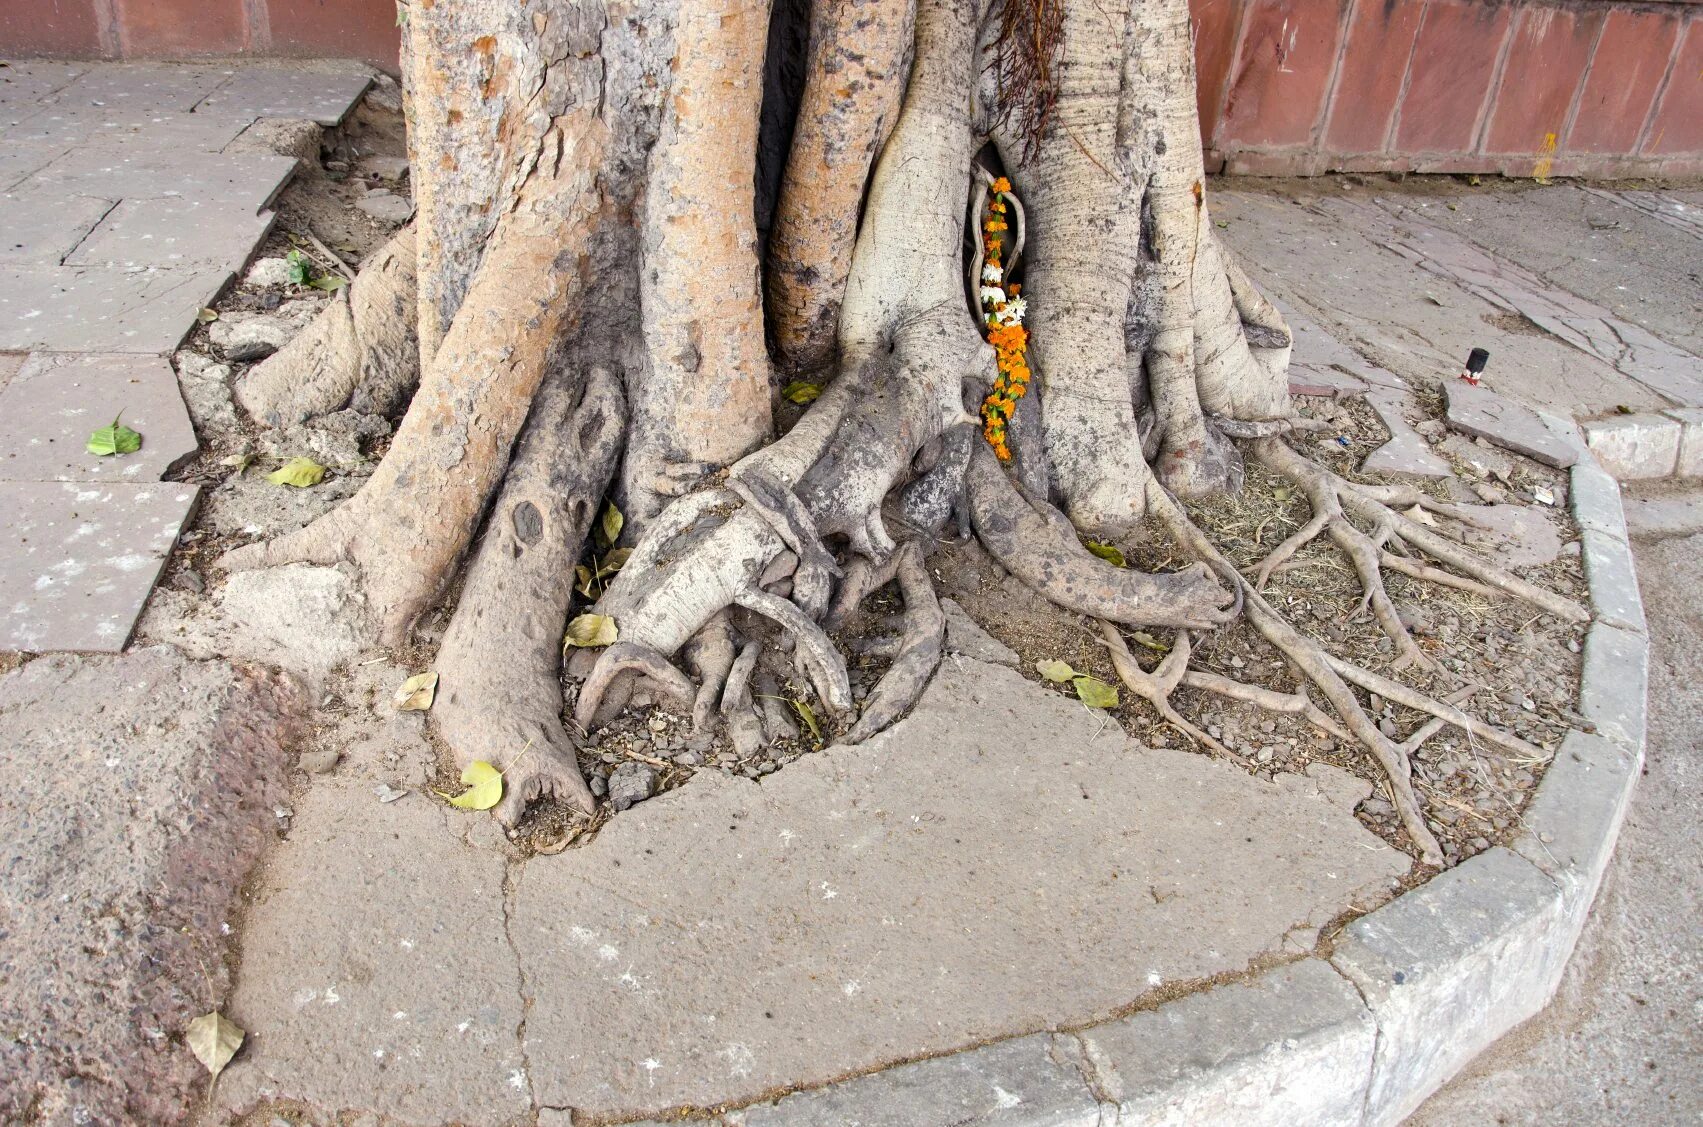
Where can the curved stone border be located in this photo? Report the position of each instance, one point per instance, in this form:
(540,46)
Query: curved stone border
(1410,993)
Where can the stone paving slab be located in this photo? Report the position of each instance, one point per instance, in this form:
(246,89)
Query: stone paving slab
(54,403)
(96,129)
(77,560)
(174,233)
(40,227)
(1481,412)
(1631,349)
(1406,452)
(251,179)
(1331,265)
(81,309)
(322,96)
(140,90)
(377,971)
(138,791)
(20,159)
(25,83)
(997,862)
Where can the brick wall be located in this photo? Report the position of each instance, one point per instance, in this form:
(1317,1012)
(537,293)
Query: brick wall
(1287,87)
(1564,88)
(170,29)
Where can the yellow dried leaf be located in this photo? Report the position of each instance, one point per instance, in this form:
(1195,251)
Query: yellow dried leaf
(1055,670)
(614,561)
(609,526)
(1094,692)
(589,631)
(585,577)
(214,1039)
(484,787)
(1107,552)
(800,392)
(299,472)
(416,693)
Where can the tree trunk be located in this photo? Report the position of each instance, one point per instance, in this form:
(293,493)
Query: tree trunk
(585,261)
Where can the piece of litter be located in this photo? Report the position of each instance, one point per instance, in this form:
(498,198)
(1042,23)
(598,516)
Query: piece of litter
(386,793)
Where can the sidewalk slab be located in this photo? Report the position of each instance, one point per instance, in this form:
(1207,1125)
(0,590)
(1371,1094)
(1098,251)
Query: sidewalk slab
(94,309)
(998,862)
(250,179)
(321,96)
(139,789)
(174,233)
(41,227)
(54,403)
(77,560)
(1481,412)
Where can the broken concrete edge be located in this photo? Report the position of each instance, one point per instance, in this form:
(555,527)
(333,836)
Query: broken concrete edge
(1409,994)
(1646,447)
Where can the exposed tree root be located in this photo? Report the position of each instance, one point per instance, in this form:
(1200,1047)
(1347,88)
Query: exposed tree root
(499,665)
(920,645)
(1156,687)
(360,352)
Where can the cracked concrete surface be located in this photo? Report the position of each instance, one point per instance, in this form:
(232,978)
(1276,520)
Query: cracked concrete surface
(1003,861)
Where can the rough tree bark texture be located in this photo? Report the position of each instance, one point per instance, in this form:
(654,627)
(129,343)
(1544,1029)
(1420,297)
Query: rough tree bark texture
(585,261)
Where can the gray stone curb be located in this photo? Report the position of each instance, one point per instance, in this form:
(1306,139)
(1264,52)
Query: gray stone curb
(1410,993)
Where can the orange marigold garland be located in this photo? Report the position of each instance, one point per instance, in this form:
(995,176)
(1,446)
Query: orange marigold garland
(1002,310)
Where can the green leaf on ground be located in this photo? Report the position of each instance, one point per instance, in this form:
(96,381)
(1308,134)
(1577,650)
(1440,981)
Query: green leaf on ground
(301,268)
(114,439)
(299,472)
(214,1039)
(800,392)
(417,693)
(238,462)
(1107,552)
(1056,671)
(207,315)
(589,631)
(1094,692)
(1142,637)
(484,787)
(330,283)
(614,561)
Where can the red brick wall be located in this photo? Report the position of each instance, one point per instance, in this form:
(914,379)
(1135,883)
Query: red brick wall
(1547,87)
(175,29)
(1287,87)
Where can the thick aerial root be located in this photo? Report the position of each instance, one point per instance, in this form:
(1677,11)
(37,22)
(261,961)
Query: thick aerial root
(920,645)
(710,656)
(360,352)
(499,663)
(1035,542)
(1156,688)
(812,581)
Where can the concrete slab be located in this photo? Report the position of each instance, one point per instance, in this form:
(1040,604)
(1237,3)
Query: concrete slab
(1631,349)
(252,179)
(1028,1080)
(377,970)
(322,96)
(25,83)
(97,128)
(1635,447)
(1406,452)
(174,232)
(85,309)
(997,862)
(41,227)
(123,867)
(1293,1046)
(1480,412)
(1331,266)
(1661,510)
(54,403)
(77,560)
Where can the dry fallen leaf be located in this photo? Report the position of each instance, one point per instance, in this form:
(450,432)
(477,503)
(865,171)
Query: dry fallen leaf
(214,1040)
(484,787)
(589,631)
(1094,692)
(416,693)
(1054,670)
(299,472)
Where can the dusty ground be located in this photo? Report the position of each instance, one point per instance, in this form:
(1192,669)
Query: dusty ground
(1622,1040)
